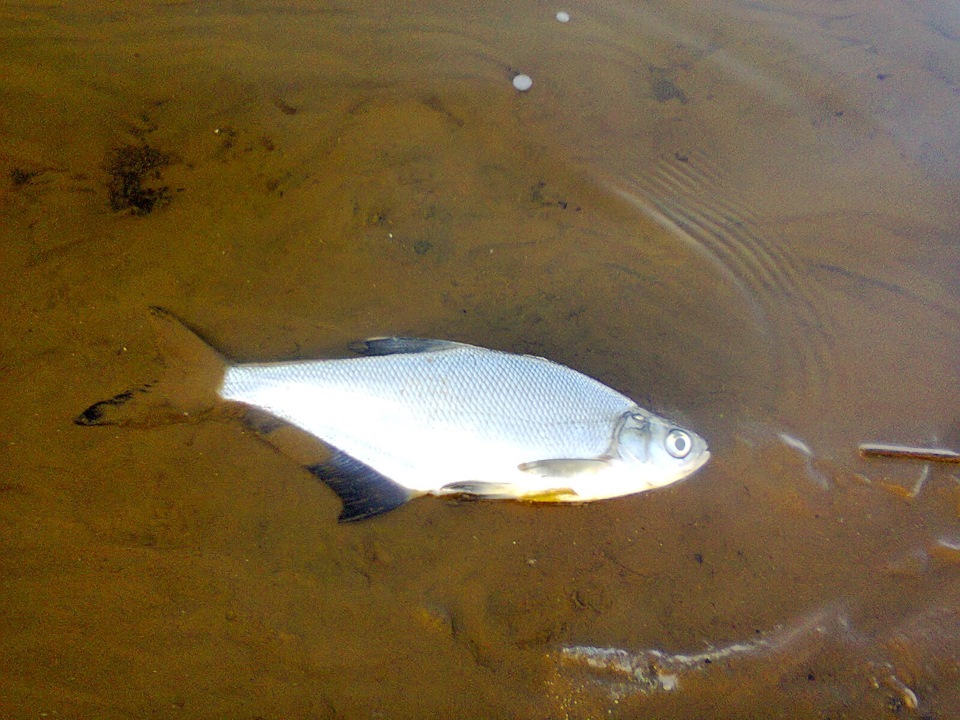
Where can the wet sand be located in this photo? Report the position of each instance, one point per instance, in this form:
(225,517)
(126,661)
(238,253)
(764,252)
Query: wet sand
(744,218)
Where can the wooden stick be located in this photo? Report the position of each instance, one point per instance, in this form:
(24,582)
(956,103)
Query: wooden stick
(909,453)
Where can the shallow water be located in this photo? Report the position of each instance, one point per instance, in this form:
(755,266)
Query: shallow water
(743,215)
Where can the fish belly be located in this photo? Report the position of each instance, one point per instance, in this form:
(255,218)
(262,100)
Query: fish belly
(429,419)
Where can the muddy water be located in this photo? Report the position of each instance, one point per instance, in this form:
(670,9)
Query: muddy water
(742,215)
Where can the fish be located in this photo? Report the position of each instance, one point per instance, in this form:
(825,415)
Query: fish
(408,417)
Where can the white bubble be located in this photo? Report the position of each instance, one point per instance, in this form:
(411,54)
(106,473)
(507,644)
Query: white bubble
(563,16)
(522,82)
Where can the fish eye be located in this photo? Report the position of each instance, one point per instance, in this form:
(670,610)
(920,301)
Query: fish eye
(678,444)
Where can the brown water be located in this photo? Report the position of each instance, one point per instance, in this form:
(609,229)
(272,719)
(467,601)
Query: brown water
(743,215)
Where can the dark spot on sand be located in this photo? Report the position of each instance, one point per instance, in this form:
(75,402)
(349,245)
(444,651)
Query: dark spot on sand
(664,89)
(283,107)
(134,171)
(538,196)
(20,177)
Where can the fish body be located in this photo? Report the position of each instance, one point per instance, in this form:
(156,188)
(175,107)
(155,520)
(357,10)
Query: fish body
(411,417)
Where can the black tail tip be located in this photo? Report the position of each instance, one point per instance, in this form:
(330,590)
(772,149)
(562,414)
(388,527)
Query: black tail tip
(91,416)
(99,412)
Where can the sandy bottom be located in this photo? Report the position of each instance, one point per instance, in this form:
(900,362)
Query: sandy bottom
(746,222)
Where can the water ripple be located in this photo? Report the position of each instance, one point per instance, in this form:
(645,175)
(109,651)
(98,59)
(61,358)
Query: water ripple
(689,197)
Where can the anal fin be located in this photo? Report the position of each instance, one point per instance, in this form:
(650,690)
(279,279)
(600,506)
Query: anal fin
(365,492)
(553,495)
(506,491)
(479,489)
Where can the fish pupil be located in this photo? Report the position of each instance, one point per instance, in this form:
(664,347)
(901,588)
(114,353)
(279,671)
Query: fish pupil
(678,444)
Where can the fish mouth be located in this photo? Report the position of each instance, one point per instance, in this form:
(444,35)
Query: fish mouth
(701,460)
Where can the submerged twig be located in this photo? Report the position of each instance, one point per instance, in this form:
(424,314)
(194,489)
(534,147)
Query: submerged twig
(907,452)
(623,672)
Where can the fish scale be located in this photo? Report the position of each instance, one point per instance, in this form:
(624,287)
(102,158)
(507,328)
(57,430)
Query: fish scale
(479,401)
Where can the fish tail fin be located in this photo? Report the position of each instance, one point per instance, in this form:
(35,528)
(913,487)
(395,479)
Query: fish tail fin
(185,391)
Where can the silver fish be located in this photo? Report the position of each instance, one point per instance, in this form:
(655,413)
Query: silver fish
(417,417)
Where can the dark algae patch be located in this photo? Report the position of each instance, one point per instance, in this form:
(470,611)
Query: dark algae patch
(664,89)
(538,196)
(134,175)
(284,107)
(20,177)
(662,86)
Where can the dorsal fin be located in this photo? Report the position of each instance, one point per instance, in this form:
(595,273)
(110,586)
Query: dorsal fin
(400,346)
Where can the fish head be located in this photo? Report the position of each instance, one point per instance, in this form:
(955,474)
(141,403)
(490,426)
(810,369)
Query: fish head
(665,451)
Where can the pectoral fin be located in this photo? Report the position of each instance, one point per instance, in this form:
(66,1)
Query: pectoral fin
(364,491)
(565,467)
